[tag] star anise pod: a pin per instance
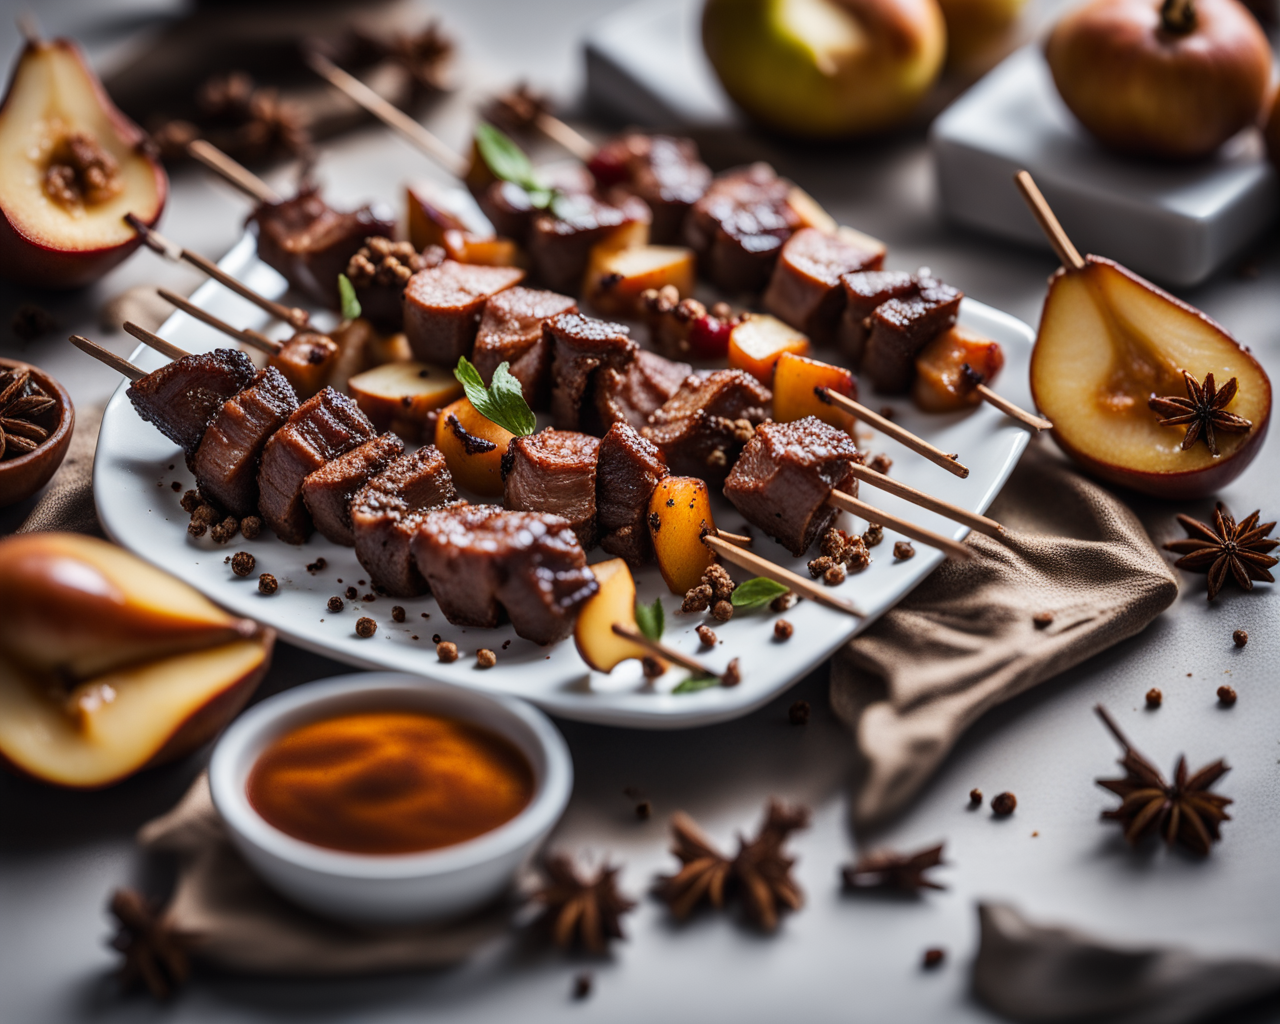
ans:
(1183, 812)
(1227, 548)
(885, 869)
(249, 122)
(581, 911)
(1203, 411)
(517, 110)
(22, 404)
(426, 54)
(760, 873)
(153, 955)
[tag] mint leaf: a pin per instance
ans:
(650, 619)
(350, 305)
(695, 683)
(502, 402)
(756, 593)
(504, 158)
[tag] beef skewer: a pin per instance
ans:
(761, 566)
(949, 461)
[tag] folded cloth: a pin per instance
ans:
(224, 916)
(1042, 975)
(1075, 574)
(67, 503)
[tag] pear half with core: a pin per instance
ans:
(825, 68)
(1109, 341)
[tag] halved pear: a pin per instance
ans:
(71, 167)
(614, 602)
(77, 607)
(116, 724)
(1108, 342)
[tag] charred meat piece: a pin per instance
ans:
(379, 271)
(226, 463)
(580, 347)
(481, 560)
(182, 398)
(328, 491)
(554, 471)
(386, 512)
(805, 289)
(627, 469)
(307, 361)
(664, 171)
(739, 226)
(511, 332)
(785, 476)
(310, 244)
(508, 209)
(320, 429)
(702, 429)
(863, 292)
(900, 328)
(560, 242)
(443, 307)
(633, 395)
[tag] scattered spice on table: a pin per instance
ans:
(1240, 638)
(319, 565)
(873, 535)
(1183, 811)
(243, 563)
(485, 658)
(706, 635)
(783, 630)
(582, 986)
(886, 869)
(1226, 696)
(722, 611)
(446, 650)
(153, 955)
(902, 550)
(365, 627)
(25, 412)
(799, 712)
(1203, 411)
(335, 604)
(397, 613)
(651, 667)
(933, 958)
(268, 584)
(880, 463)
(250, 527)
(352, 593)
(1042, 620)
(975, 799)
(732, 674)
(1004, 804)
(783, 602)
(1154, 698)
(584, 911)
(834, 576)
(1226, 549)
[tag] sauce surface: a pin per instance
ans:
(389, 782)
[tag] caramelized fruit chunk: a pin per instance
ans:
(759, 340)
(405, 397)
(679, 516)
(797, 384)
(614, 602)
(473, 447)
(950, 369)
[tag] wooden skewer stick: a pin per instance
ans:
(154, 341)
(117, 363)
(388, 113)
(568, 137)
(1027, 419)
(741, 539)
(232, 173)
(243, 335)
(944, 508)
(849, 503)
(296, 318)
(947, 460)
(750, 560)
(1067, 253)
(661, 650)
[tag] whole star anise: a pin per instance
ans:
(1227, 548)
(1183, 812)
(22, 406)
(1203, 411)
(153, 955)
(581, 911)
(760, 873)
(426, 54)
(885, 869)
(250, 122)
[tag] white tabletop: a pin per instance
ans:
(841, 958)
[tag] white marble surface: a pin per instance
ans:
(840, 959)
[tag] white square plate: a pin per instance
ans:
(136, 467)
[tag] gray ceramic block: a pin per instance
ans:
(1175, 223)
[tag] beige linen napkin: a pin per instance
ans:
(226, 917)
(966, 639)
(1040, 975)
(67, 503)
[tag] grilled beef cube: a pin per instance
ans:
(739, 226)
(310, 244)
(636, 393)
(443, 307)
(554, 471)
(863, 292)
(663, 171)
(627, 469)
(307, 361)
(378, 273)
(560, 243)
(702, 429)
(509, 211)
(511, 332)
(328, 491)
(805, 289)
(320, 429)
(900, 328)
(182, 398)
(481, 560)
(785, 476)
(226, 463)
(580, 347)
(386, 513)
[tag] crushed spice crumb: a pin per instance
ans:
(485, 658)
(1240, 637)
(975, 798)
(582, 986)
(874, 535)
(335, 604)
(369, 597)
(190, 502)
(651, 667)
(176, 486)
(697, 599)
(268, 584)
(732, 674)
(225, 530)
(834, 576)
(318, 565)
(1154, 698)
(783, 630)
(934, 957)
(397, 613)
(818, 566)
(1004, 804)
(880, 463)
(365, 627)
(243, 563)
(250, 527)
(902, 550)
(722, 611)
(1226, 696)
(352, 593)
(446, 650)
(707, 635)
(1041, 620)
(783, 602)
(718, 579)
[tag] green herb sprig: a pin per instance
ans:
(349, 304)
(651, 619)
(695, 683)
(756, 593)
(506, 160)
(502, 402)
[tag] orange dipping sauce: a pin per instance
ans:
(386, 782)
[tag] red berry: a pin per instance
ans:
(709, 338)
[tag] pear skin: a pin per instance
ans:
(614, 602)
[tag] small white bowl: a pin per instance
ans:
(400, 888)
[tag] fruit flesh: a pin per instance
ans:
(474, 470)
(616, 277)
(795, 397)
(1108, 341)
(146, 713)
(942, 384)
(614, 602)
(679, 514)
(757, 342)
